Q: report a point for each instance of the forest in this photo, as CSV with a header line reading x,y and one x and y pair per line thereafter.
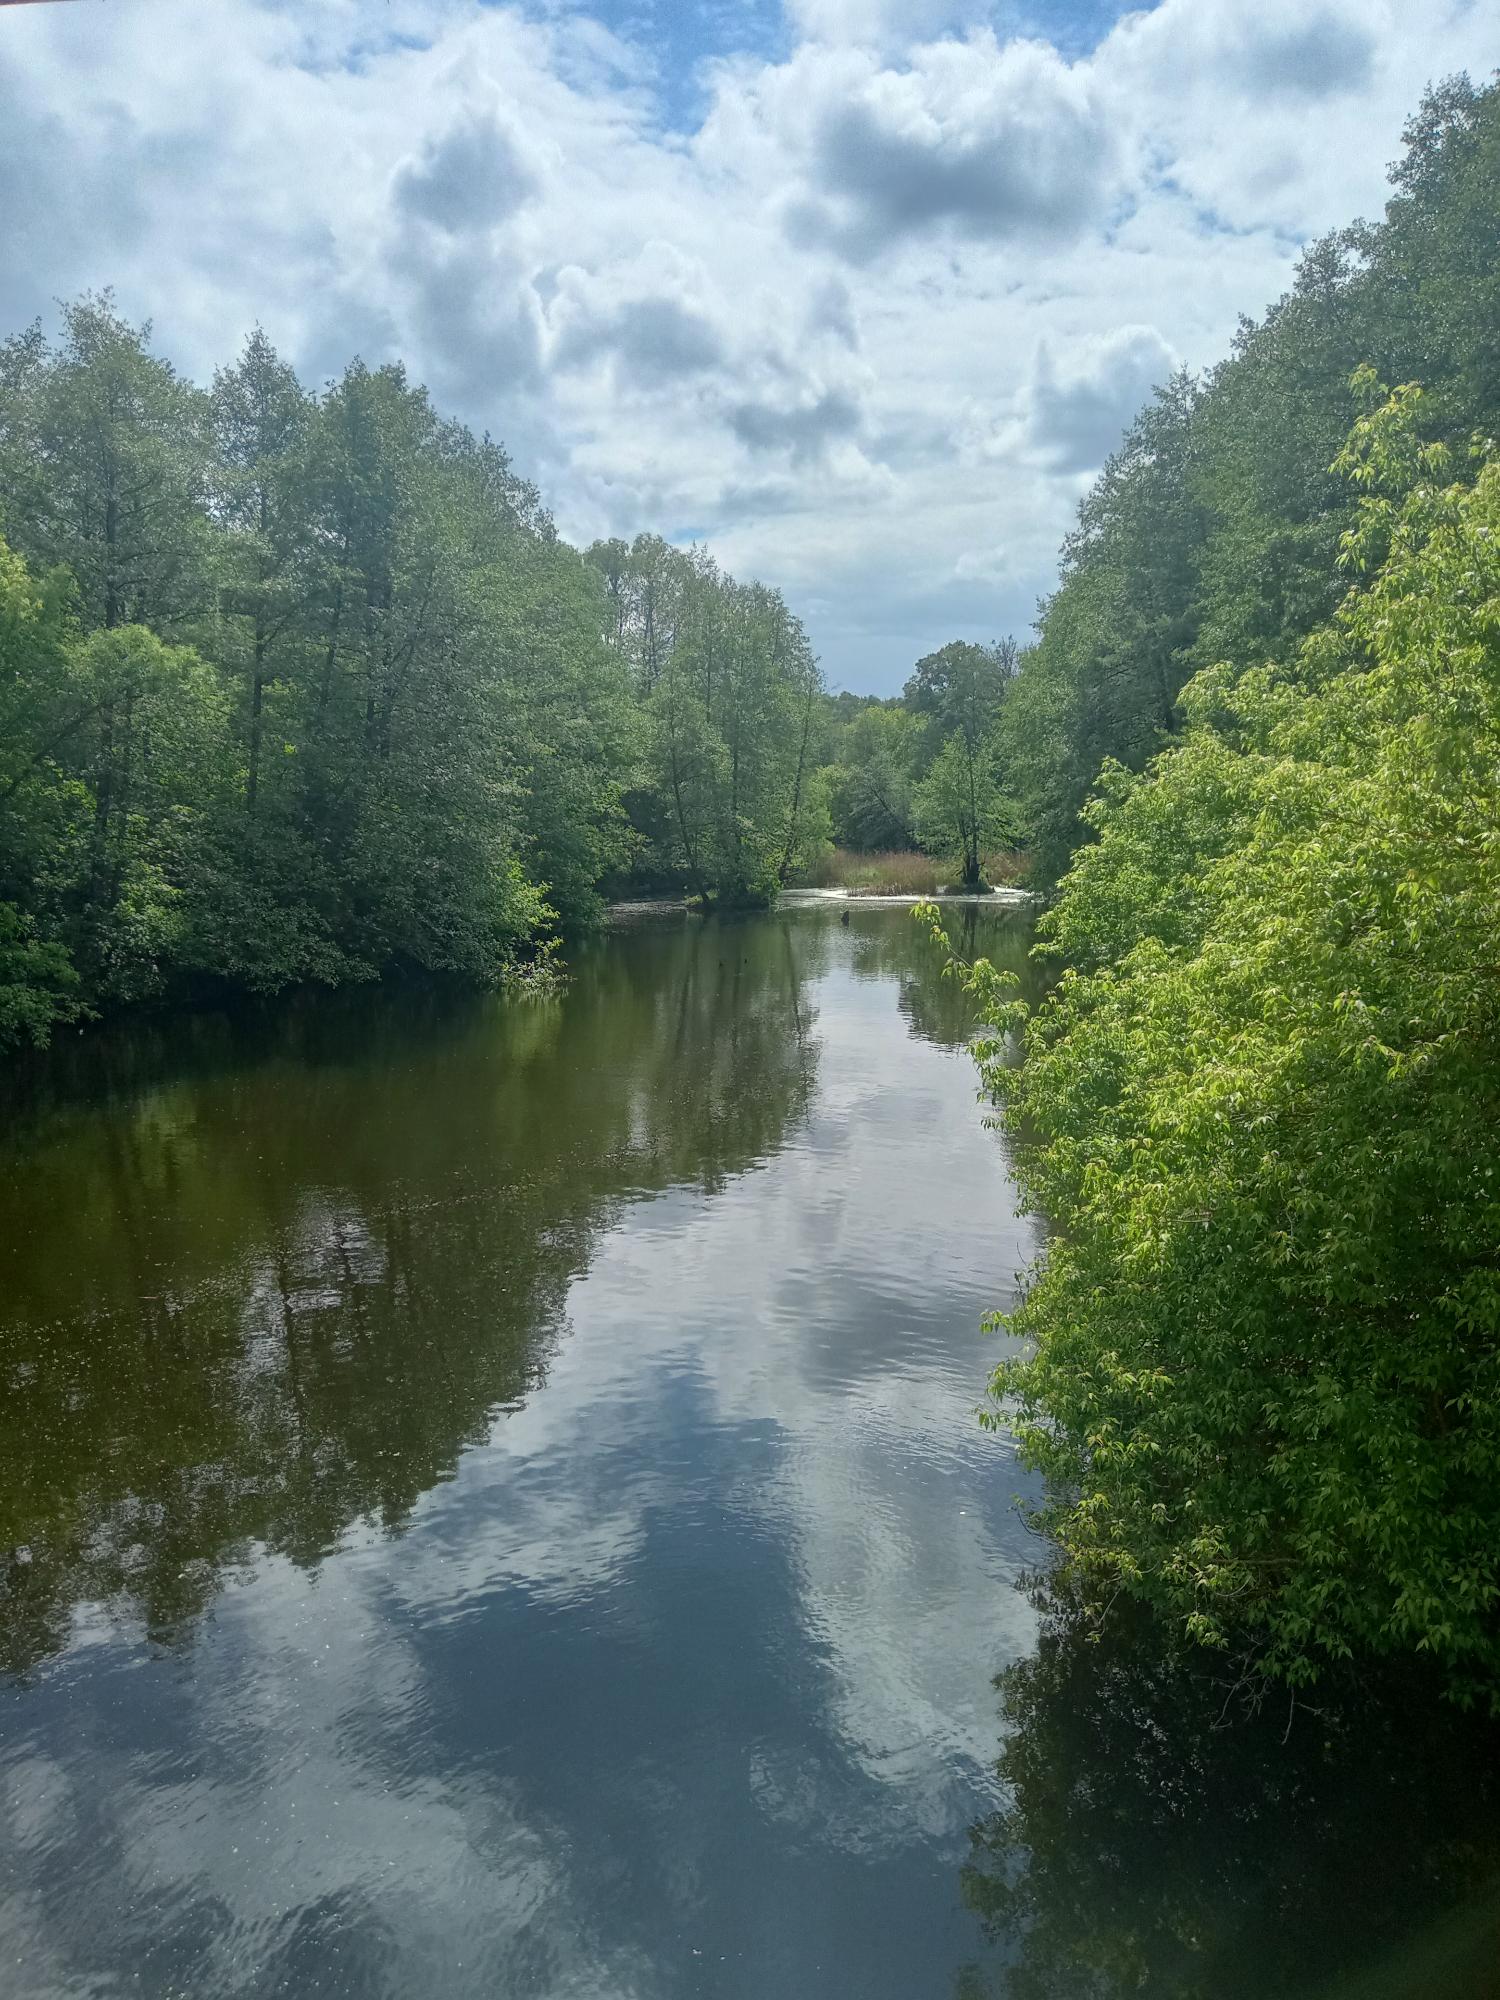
x,y
303,688
1256,746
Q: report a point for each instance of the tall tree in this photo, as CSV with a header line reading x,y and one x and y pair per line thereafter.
x,y
261,417
106,469
960,690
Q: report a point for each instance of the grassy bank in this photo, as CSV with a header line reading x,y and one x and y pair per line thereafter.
x,y
904,872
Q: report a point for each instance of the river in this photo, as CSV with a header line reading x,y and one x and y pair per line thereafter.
x,y
494,1507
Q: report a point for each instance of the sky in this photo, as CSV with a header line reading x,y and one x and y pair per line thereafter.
x,y
859,292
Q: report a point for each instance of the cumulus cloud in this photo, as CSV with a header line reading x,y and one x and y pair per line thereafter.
x,y
657,319
459,262
1321,55
469,178
1007,143
830,310
864,316
1221,95
1076,409
780,378
803,427
477,316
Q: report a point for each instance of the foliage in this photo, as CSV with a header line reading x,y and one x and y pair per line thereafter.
x,y
959,807
873,778
1262,1369
924,770
37,983
1213,532
307,688
731,800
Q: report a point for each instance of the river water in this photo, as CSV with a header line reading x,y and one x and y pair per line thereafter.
x,y
494,1508
494,1491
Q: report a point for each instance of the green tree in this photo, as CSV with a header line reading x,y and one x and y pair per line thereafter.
x,y
727,800
152,758
105,468
261,417
959,692
41,710
958,806
1103,678
1213,532
873,780
1262,1370
309,688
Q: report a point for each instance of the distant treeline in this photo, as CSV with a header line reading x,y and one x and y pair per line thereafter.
x,y
924,769
1259,736
306,687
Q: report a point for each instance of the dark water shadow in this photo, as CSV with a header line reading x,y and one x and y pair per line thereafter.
x,y
1164,1839
266,1275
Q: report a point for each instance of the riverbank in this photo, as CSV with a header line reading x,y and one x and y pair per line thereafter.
x,y
793,899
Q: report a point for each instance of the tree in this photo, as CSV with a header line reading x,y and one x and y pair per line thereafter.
x,y
873,781
1262,1370
1103,678
727,801
959,691
261,417
105,469
958,806
309,688
1212,534
41,709
152,758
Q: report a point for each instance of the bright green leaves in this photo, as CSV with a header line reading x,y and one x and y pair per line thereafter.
x,y
1262,1362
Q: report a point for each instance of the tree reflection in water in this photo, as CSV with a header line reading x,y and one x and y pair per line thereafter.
x,y
265,1279
937,1009
1165,1838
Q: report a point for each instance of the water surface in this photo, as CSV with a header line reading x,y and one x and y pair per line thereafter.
x,y
490,1505
493,1488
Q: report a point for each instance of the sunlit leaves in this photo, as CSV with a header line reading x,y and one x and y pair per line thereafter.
x,y
1263,1359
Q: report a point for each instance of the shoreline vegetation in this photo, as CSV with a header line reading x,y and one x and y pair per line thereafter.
x,y
305,689
1255,747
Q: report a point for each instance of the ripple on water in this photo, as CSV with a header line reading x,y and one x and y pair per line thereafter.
x,y
529,1533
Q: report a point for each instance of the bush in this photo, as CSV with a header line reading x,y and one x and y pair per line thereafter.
x,y
1262,1363
900,872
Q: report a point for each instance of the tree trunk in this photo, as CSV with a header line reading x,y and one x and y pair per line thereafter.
x,y
796,814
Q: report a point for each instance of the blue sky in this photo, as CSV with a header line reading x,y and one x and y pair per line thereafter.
x,y
684,35
862,292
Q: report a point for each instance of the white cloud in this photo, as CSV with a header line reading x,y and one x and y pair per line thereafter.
x,y
983,140
468,179
1074,411
657,318
879,23
866,324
